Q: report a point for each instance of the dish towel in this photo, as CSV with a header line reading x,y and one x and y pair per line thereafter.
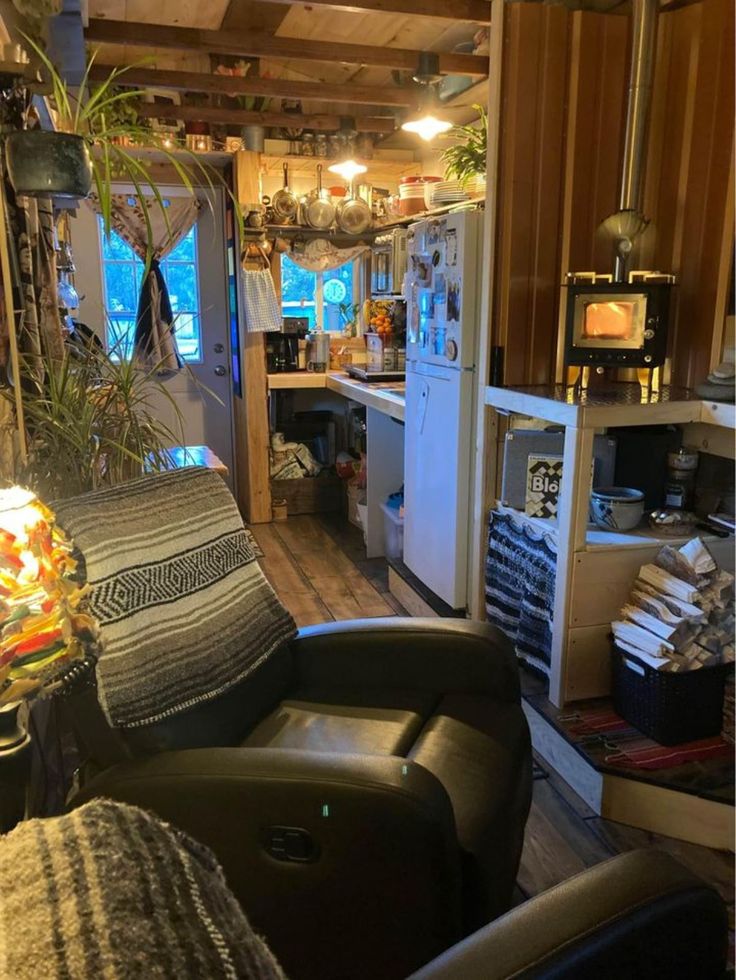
x,y
260,302
110,891
184,610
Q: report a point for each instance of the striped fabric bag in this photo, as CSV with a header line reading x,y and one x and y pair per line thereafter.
x,y
183,608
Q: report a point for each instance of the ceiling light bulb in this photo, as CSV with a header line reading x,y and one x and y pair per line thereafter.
x,y
427,126
348,169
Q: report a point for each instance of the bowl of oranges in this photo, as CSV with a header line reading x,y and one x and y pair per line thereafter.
x,y
378,318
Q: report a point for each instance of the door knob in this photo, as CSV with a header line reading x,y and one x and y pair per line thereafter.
x,y
220,371
218,348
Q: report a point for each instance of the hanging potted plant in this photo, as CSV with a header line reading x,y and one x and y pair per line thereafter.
x,y
466,159
85,153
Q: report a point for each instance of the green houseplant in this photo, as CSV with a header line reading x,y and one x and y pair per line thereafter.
x,y
466,158
92,422
91,151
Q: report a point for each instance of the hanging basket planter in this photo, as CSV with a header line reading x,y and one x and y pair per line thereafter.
x,y
47,164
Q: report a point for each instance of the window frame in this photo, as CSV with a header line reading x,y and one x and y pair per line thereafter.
x,y
137,266
358,289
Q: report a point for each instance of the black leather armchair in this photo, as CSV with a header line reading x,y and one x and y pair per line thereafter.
x,y
639,916
365,790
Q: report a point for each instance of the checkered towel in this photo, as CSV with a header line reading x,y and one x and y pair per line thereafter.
x,y
261,305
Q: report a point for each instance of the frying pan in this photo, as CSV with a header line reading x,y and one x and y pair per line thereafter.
x,y
319,211
353,214
284,204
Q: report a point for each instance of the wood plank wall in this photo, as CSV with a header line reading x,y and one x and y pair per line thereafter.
x,y
562,127
689,189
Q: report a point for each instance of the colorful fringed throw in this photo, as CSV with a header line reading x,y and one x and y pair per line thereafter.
x,y
184,610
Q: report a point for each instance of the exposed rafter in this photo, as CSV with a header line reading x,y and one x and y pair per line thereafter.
x,y
258,45
475,11
189,81
238,117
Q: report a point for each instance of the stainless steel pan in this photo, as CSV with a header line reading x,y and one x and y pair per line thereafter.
x,y
319,211
284,203
353,214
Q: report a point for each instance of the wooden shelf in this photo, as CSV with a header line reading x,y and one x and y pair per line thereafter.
x,y
299,166
596,539
622,404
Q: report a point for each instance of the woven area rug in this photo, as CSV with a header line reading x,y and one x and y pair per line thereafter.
x,y
626,746
183,607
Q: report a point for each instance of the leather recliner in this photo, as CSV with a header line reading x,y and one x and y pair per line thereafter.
x,y
366,789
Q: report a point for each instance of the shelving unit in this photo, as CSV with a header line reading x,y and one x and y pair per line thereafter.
x,y
595,568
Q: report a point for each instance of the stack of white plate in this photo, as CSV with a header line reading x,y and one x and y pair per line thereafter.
x,y
452,192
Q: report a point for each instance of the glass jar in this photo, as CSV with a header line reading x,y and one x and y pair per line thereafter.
x,y
308,145
334,146
364,146
679,491
320,145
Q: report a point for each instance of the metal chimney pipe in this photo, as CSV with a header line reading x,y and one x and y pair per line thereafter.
x,y
644,27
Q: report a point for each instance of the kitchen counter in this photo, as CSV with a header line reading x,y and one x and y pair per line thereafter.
x,y
386,397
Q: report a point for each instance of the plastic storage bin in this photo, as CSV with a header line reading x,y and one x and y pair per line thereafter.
x,y
393,532
670,708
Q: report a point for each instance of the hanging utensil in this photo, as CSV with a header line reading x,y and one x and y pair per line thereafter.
x,y
319,210
353,214
284,203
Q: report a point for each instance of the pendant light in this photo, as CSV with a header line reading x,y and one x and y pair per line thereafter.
x,y
426,123
347,166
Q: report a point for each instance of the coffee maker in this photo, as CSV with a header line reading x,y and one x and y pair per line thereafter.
x,y
282,349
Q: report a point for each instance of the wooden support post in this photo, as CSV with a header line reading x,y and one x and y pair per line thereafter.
x,y
251,411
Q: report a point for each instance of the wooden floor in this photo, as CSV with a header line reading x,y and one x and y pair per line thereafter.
x,y
318,567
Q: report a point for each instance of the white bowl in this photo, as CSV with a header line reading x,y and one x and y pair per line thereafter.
x,y
617,508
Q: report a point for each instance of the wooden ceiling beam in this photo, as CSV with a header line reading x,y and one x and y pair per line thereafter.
x,y
474,11
253,44
189,81
239,117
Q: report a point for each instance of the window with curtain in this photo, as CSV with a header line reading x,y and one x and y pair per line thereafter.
x,y
121,281
321,296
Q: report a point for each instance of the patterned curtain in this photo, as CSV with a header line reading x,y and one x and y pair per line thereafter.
x,y
321,255
155,342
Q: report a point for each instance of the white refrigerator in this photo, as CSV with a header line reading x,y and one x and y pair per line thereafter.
x,y
442,292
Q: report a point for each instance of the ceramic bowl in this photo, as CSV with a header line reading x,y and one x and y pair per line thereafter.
x,y
617,508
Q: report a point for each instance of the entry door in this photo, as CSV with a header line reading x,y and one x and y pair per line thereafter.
x,y
203,391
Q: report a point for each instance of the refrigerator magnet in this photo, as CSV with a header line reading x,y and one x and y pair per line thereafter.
x,y
451,247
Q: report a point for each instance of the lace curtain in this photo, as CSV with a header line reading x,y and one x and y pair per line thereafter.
x,y
155,341
321,255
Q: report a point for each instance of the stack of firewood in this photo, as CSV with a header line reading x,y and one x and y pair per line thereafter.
x,y
680,614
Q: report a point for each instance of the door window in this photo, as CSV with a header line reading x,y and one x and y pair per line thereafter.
x,y
121,279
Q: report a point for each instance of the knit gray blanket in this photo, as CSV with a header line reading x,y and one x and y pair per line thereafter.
x,y
184,610
109,892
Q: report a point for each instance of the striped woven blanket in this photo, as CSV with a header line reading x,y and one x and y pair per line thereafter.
x,y
109,892
184,610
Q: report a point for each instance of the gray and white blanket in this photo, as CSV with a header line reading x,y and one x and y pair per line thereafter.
x,y
184,610
110,892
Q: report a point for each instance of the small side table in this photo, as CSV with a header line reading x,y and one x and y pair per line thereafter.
x,y
181,456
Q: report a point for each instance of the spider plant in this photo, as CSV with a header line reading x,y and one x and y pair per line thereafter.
x,y
92,421
467,157
104,114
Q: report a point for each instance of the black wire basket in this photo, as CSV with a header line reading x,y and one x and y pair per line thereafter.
x,y
670,708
